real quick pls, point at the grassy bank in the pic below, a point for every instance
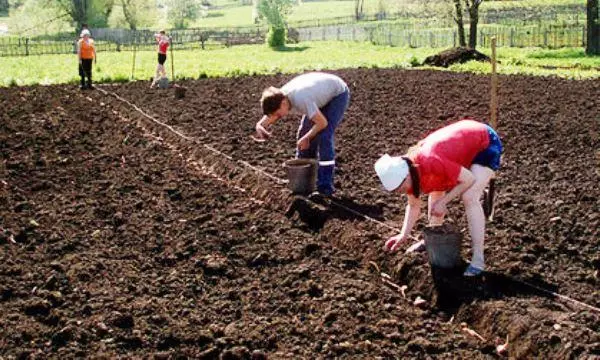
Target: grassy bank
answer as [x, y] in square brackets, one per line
[259, 59]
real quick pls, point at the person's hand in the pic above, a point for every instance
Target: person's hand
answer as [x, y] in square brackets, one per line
[392, 244]
[95, 61]
[439, 208]
[303, 143]
[261, 132]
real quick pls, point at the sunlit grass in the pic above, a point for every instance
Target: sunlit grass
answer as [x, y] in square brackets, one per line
[260, 59]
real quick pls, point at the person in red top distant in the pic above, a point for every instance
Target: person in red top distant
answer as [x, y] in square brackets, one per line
[163, 42]
[456, 160]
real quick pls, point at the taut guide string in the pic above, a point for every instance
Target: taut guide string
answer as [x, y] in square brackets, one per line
[335, 203]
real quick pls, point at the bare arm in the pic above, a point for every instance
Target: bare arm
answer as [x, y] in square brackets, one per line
[411, 215]
[465, 180]
[319, 123]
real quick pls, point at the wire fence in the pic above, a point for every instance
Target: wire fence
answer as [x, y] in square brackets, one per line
[525, 27]
[507, 36]
[126, 40]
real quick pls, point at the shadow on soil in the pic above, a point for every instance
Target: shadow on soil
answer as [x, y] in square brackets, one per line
[451, 289]
[314, 213]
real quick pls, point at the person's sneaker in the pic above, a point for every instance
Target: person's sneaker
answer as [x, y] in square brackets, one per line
[327, 192]
[472, 271]
[317, 198]
[419, 246]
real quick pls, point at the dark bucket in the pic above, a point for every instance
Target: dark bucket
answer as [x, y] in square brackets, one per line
[163, 83]
[179, 91]
[302, 175]
[443, 246]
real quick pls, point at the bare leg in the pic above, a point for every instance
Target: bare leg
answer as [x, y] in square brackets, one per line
[433, 197]
[156, 75]
[474, 210]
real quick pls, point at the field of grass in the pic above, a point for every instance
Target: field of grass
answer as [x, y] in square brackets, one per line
[259, 59]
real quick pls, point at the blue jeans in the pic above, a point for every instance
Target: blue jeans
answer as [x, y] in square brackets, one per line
[324, 141]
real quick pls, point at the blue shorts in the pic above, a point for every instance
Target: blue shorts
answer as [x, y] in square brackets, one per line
[490, 156]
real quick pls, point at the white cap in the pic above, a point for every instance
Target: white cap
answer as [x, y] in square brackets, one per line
[85, 32]
[391, 171]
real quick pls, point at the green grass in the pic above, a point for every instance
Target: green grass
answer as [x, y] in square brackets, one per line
[260, 59]
[570, 63]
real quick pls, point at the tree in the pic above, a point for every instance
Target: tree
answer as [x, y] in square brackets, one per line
[4, 7]
[181, 12]
[358, 9]
[95, 13]
[593, 28]
[472, 7]
[275, 13]
[129, 12]
[76, 9]
[458, 18]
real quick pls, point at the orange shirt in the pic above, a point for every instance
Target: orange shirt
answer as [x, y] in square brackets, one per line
[86, 48]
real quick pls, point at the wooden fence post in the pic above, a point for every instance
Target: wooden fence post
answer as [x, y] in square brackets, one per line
[512, 37]
[26, 46]
[133, 64]
[494, 90]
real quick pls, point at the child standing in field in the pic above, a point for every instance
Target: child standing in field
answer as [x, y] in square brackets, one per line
[163, 42]
[86, 52]
[457, 160]
[322, 99]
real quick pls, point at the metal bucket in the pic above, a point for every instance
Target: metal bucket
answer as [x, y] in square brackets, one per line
[302, 175]
[443, 246]
[163, 82]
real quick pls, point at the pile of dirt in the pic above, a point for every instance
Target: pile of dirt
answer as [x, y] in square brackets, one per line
[455, 55]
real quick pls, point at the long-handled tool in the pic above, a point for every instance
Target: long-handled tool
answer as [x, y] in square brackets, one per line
[488, 195]
[172, 62]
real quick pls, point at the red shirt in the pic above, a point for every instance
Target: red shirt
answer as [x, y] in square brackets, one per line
[444, 152]
[163, 44]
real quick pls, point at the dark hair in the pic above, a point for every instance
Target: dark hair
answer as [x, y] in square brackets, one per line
[271, 100]
[414, 176]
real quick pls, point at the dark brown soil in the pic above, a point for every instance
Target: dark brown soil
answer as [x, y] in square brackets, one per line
[455, 55]
[120, 238]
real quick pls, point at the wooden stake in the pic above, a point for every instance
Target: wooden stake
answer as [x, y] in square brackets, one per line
[494, 94]
[172, 63]
[489, 193]
[133, 65]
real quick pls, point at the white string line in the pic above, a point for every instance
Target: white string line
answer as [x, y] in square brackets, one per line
[355, 212]
[194, 140]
